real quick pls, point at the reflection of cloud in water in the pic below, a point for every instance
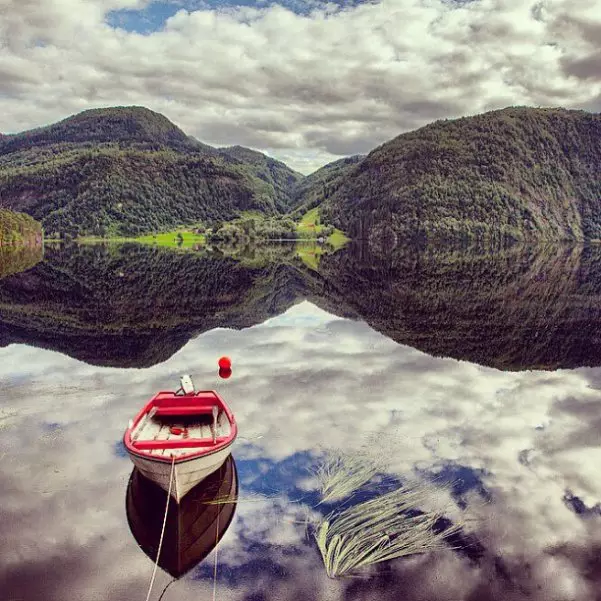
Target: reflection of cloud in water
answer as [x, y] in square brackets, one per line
[303, 314]
[304, 388]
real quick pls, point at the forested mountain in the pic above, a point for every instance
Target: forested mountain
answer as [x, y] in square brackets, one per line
[130, 192]
[128, 170]
[517, 173]
[134, 126]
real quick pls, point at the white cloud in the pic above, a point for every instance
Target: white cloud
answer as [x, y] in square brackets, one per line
[306, 87]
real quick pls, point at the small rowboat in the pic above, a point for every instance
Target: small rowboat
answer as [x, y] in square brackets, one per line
[179, 438]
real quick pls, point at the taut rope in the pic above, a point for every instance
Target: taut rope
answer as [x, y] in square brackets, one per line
[216, 543]
[156, 563]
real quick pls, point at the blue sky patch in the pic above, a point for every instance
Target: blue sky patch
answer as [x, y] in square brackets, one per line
[153, 17]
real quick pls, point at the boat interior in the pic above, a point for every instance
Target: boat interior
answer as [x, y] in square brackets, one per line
[179, 424]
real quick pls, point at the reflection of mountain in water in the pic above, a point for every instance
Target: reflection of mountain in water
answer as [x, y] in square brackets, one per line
[193, 528]
[136, 305]
[520, 308]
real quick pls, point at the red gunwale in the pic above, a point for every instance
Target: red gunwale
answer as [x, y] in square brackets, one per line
[205, 397]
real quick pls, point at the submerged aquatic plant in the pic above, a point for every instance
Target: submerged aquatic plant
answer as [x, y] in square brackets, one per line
[227, 499]
[394, 524]
[381, 529]
[341, 474]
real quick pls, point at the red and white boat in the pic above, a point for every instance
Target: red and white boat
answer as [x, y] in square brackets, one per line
[181, 437]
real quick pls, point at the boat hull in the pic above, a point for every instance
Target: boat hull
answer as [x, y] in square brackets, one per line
[188, 472]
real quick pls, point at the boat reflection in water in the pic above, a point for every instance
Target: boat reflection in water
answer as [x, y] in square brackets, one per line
[194, 526]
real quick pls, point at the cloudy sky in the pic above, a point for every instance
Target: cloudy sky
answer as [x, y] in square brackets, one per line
[303, 80]
[523, 438]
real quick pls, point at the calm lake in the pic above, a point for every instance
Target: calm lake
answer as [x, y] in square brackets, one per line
[472, 373]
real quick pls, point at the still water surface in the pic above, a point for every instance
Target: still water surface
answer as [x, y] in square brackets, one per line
[472, 369]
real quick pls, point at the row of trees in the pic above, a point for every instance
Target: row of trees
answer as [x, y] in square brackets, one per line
[251, 229]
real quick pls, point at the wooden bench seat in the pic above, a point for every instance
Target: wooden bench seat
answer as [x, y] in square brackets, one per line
[177, 443]
[185, 409]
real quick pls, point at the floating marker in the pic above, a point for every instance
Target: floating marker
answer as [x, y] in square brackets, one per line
[225, 363]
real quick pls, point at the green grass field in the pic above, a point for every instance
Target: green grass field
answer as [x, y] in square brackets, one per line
[338, 239]
[171, 239]
[167, 239]
[310, 226]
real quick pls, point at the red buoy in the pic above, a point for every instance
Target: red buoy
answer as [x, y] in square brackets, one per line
[225, 363]
[225, 372]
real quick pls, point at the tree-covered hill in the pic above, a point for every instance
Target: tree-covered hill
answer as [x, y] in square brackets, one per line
[131, 126]
[129, 170]
[519, 173]
[125, 192]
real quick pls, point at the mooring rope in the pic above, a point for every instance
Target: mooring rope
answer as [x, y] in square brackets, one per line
[156, 563]
[215, 567]
[166, 587]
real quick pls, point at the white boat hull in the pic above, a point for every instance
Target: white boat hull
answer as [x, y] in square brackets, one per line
[188, 473]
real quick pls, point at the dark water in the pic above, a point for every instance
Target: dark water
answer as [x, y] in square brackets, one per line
[472, 368]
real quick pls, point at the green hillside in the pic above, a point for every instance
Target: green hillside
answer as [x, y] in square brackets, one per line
[127, 192]
[128, 170]
[513, 174]
[517, 173]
